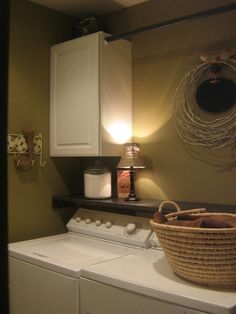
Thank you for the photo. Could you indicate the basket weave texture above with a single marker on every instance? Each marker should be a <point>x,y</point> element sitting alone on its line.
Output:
<point>205,256</point>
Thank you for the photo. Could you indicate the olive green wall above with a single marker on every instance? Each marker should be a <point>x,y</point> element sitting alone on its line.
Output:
<point>160,59</point>
<point>33,29</point>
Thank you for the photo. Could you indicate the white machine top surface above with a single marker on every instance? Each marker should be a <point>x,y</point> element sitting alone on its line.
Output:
<point>148,273</point>
<point>94,237</point>
<point>66,253</point>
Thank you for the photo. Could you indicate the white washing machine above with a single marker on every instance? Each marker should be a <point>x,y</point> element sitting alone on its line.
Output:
<point>143,283</point>
<point>45,272</point>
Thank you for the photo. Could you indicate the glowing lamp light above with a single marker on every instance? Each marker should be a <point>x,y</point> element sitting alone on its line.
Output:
<point>120,132</point>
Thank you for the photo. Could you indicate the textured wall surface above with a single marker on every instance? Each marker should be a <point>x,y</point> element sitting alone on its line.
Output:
<point>33,29</point>
<point>160,59</point>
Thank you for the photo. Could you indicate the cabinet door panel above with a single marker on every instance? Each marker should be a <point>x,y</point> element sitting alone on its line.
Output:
<point>90,106</point>
<point>74,97</point>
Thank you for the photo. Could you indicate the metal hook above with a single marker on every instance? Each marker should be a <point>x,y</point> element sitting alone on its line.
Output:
<point>17,161</point>
<point>41,162</point>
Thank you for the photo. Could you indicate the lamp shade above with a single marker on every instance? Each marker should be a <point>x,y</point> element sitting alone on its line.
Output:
<point>131,157</point>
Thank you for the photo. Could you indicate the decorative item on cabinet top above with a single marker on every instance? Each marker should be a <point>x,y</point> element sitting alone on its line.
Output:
<point>87,26</point>
<point>29,143</point>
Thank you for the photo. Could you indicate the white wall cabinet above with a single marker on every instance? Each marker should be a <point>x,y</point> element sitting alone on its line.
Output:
<point>90,101</point>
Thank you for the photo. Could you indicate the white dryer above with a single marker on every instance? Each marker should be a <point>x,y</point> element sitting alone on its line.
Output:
<point>45,272</point>
<point>143,283</point>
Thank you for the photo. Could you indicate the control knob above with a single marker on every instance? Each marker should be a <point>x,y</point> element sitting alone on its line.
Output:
<point>88,220</point>
<point>98,222</point>
<point>131,228</point>
<point>78,219</point>
<point>108,224</point>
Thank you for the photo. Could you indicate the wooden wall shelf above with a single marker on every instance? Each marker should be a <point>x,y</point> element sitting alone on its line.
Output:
<point>144,208</point>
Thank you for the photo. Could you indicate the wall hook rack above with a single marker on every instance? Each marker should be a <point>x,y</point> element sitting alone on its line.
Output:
<point>25,147</point>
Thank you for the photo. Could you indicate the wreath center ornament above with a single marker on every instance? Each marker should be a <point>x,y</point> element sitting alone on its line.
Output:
<point>204,110</point>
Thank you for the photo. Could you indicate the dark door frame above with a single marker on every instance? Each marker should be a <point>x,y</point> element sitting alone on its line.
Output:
<point>4,48</point>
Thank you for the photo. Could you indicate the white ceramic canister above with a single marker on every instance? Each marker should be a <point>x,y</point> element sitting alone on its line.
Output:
<point>97,181</point>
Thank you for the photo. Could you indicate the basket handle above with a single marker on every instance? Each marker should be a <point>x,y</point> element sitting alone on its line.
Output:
<point>170,203</point>
<point>179,211</point>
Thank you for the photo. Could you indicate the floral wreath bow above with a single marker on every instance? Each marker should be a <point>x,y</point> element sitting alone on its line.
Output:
<point>217,57</point>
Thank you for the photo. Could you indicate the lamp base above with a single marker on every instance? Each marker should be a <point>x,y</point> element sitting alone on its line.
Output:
<point>132,198</point>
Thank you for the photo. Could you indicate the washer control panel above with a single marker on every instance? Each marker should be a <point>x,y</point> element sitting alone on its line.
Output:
<point>131,230</point>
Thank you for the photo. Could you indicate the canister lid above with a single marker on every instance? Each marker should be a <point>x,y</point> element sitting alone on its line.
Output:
<point>97,168</point>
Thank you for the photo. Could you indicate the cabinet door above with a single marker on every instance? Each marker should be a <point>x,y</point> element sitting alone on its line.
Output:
<point>97,298</point>
<point>74,103</point>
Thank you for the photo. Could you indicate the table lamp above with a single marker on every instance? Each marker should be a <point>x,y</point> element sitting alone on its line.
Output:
<point>131,160</point>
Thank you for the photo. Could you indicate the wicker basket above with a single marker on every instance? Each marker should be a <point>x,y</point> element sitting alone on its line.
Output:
<point>205,256</point>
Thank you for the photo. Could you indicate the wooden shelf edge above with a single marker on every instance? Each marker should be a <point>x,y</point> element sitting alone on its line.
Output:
<point>143,207</point>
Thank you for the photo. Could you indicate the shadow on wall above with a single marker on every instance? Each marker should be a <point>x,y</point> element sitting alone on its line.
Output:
<point>221,159</point>
<point>174,167</point>
<point>71,171</point>
<point>154,148</point>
